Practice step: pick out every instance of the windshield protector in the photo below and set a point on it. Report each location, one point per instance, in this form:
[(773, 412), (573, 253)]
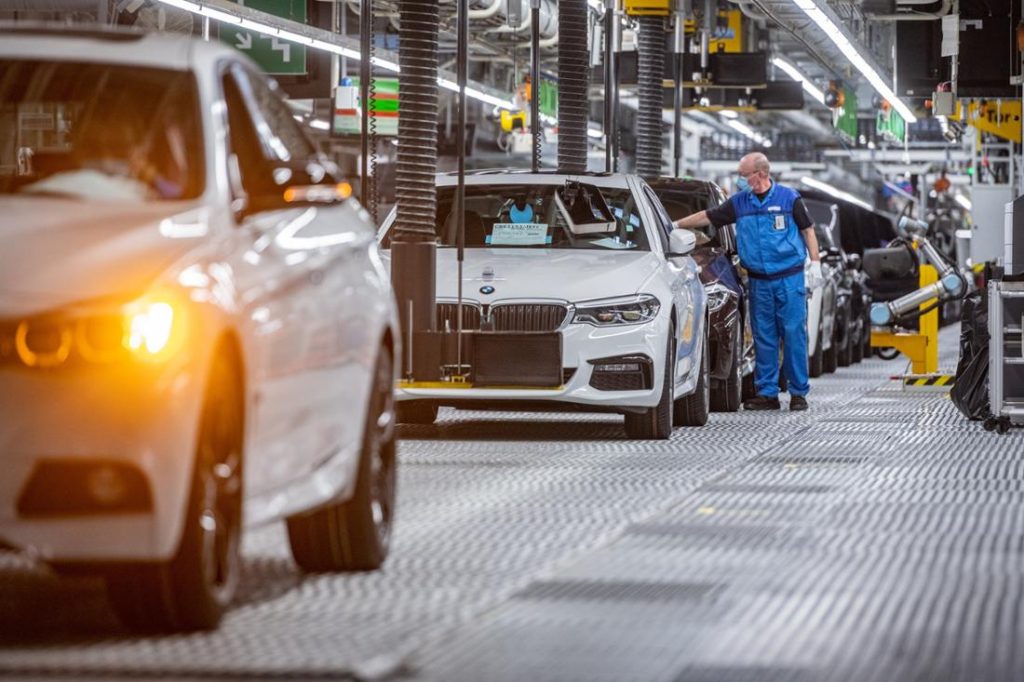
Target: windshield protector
[(542, 217)]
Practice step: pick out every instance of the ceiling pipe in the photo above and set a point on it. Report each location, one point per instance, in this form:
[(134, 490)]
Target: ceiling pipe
[(914, 15)]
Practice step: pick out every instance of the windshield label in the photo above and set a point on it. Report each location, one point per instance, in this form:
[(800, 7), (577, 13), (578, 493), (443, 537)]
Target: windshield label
[(519, 234)]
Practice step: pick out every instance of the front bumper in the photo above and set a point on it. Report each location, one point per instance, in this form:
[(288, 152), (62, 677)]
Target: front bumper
[(141, 418), (581, 345)]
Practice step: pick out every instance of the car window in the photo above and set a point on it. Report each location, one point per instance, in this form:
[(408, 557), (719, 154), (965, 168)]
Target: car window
[(536, 216), (679, 203), (253, 167), (99, 131), (280, 136)]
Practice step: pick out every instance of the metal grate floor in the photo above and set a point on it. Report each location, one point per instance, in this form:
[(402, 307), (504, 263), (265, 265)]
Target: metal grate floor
[(876, 537)]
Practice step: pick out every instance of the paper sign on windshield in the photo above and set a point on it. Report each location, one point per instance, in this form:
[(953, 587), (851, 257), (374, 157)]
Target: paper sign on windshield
[(519, 234)]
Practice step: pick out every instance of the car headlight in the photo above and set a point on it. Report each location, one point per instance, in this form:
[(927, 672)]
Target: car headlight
[(618, 311), (147, 329), (717, 296)]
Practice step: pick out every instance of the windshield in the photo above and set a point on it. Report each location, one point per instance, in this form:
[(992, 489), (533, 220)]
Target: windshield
[(679, 204), (99, 131), (542, 217), (823, 217)]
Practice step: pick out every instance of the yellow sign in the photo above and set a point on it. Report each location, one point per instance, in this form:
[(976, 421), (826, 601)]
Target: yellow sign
[(647, 7), (1000, 118)]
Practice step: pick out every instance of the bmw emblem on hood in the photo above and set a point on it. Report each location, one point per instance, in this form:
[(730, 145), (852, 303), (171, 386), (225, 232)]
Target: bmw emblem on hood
[(487, 290)]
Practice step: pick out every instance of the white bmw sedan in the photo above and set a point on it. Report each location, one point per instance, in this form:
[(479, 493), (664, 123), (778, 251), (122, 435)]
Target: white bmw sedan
[(197, 333), (593, 258)]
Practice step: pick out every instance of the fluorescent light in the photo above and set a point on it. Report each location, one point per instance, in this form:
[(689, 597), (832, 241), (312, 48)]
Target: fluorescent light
[(794, 73), (963, 201), (746, 130), (849, 50), (835, 191), (197, 7), (320, 124)]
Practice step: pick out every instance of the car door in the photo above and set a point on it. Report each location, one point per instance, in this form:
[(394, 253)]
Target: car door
[(686, 286), (293, 283)]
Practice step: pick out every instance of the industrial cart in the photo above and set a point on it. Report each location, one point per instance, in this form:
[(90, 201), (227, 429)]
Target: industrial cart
[(1006, 354)]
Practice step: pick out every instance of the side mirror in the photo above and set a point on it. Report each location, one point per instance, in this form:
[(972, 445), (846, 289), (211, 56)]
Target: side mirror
[(681, 243)]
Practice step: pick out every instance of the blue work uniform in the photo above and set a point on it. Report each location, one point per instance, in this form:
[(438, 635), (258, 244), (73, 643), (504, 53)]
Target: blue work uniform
[(772, 250)]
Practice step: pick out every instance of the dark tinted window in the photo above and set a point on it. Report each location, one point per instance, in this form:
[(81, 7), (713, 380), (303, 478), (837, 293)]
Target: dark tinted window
[(281, 138), (101, 131), (679, 204)]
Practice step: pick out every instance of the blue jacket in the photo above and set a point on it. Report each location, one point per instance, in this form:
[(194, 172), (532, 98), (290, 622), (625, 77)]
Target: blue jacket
[(767, 237)]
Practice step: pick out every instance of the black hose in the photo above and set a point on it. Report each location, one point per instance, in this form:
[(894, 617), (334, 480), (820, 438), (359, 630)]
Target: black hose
[(573, 79), (650, 75), (416, 164)]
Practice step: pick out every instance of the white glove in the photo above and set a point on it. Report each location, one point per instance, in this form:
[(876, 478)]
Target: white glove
[(815, 280)]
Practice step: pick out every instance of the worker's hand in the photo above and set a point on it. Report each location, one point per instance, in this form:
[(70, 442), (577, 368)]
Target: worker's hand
[(815, 280)]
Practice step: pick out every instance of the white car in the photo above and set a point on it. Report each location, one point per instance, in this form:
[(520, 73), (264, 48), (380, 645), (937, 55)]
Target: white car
[(618, 287), (196, 330)]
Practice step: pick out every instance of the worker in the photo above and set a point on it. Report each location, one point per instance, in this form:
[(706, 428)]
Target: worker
[(774, 234)]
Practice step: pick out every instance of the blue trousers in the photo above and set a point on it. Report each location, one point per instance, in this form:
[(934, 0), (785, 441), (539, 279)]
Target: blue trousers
[(778, 315)]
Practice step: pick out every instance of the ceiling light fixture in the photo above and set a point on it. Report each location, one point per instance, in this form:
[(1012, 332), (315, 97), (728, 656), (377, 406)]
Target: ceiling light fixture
[(835, 191), (831, 29), (810, 88), (197, 7)]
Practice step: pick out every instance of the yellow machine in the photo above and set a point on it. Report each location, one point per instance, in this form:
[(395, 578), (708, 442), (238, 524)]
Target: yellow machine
[(939, 281), (647, 7), (922, 346)]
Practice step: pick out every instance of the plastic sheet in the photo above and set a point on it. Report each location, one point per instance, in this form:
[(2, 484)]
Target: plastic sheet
[(970, 393)]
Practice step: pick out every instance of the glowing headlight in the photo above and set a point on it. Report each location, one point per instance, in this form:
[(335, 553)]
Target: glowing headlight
[(619, 311), (147, 329), (717, 296), (150, 328)]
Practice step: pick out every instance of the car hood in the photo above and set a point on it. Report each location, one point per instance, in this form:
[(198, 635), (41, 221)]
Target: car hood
[(58, 251), (573, 275)]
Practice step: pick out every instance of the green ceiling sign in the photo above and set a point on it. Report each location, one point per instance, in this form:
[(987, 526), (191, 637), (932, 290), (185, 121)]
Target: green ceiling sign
[(891, 126), (275, 56), (845, 118)]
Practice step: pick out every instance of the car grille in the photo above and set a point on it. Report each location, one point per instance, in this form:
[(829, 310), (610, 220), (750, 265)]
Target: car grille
[(528, 317), (504, 317), (449, 312)]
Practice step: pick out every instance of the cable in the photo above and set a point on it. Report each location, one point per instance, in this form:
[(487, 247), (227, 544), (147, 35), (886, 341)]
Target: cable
[(374, 198)]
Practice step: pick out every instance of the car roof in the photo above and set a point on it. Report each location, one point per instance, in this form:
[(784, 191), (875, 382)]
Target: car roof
[(513, 177), (110, 45)]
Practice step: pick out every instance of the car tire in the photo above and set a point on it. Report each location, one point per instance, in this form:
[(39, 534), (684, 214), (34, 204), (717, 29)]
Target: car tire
[(844, 352), (815, 365), (857, 347), (749, 385), (693, 409), (727, 394), (866, 335), (192, 591), (419, 412), (655, 423), (355, 535), (828, 360)]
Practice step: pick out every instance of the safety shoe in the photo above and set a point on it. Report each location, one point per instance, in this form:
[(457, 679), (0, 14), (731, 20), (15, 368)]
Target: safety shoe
[(762, 402), (797, 403)]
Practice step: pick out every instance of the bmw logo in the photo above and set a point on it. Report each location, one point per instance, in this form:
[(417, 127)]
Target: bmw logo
[(487, 290)]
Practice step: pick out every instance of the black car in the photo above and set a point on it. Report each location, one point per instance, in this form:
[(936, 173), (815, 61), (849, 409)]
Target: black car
[(732, 342), (851, 330), (855, 230)]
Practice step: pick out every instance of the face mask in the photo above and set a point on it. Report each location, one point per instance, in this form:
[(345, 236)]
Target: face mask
[(742, 184)]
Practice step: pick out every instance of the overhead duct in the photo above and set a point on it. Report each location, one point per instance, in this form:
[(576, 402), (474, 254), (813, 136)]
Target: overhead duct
[(573, 79), (413, 270), (650, 75)]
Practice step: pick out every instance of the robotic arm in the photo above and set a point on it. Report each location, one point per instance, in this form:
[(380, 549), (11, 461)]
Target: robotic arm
[(950, 284)]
